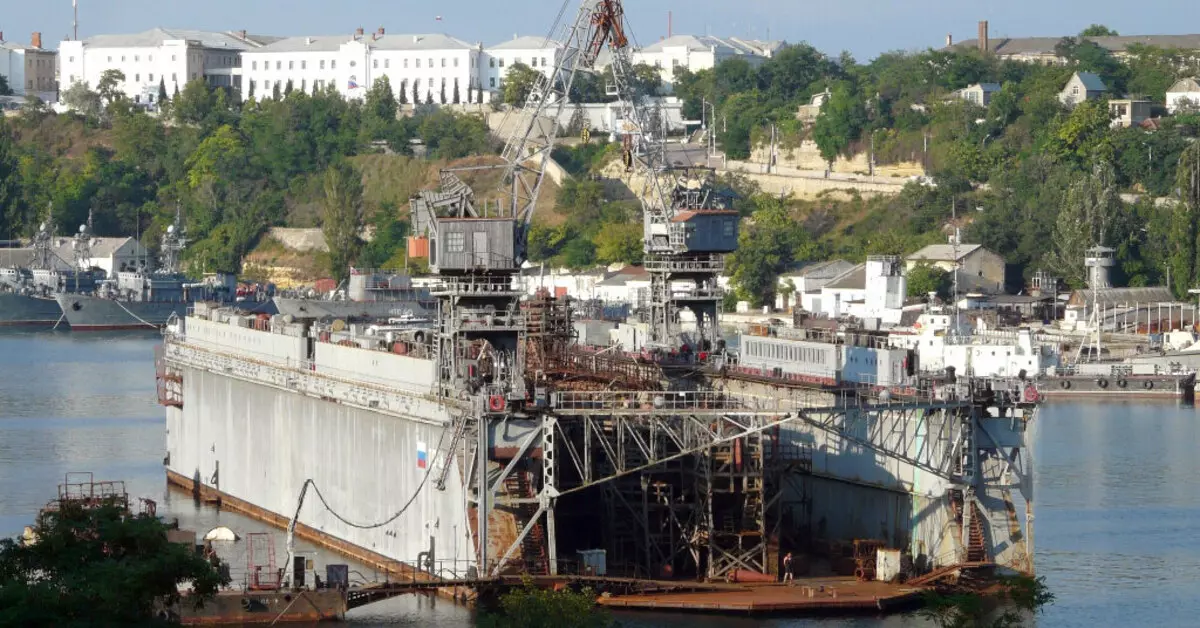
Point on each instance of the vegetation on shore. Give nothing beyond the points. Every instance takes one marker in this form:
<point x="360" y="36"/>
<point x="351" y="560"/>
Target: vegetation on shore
<point x="99" y="566"/>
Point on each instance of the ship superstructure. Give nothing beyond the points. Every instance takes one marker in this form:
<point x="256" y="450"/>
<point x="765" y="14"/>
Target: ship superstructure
<point x="491" y="442"/>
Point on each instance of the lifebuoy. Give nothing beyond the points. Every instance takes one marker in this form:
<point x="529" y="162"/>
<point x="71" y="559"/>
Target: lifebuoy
<point x="1031" y="394"/>
<point x="1122" y="383"/>
<point x="1065" y="384"/>
<point x="1102" y="383"/>
<point x="1148" y="384"/>
<point x="496" y="403"/>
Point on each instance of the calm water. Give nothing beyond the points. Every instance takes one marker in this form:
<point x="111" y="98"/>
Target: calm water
<point x="1116" y="506"/>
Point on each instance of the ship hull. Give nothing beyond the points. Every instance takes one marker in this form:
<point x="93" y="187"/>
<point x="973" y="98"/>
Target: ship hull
<point x="372" y="310"/>
<point x="18" y="310"/>
<point x="88" y="313"/>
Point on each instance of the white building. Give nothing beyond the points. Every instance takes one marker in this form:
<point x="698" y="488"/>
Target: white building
<point x="871" y="291"/>
<point x="808" y="279"/>
<point x="538" y="53"/>
<point x="29" y="69"/>
<point x="169" y="57"/>
<point x="429" y="66"/>
<point x="1184" y="95"/>
<point x="702" y="53"/>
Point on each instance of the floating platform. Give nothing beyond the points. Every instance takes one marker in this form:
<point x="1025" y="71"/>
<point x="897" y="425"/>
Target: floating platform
<point x="265" y="607"/>
<point x="817" y="596"/>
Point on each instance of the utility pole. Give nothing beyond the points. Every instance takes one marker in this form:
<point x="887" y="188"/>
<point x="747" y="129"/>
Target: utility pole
<point x="75" y="24"/>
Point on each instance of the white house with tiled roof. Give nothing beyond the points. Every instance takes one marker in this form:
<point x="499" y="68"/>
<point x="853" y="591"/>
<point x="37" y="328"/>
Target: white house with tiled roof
<point x="29" y="69"/>
<point x="428" y="66"/>
<point x="170" y="57"/>
<point x="538" y="53"/>
<point x="1184" y="95"/>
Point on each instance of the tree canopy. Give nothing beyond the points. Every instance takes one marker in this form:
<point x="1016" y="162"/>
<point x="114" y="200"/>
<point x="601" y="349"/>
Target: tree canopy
<point x="98" y="566"/>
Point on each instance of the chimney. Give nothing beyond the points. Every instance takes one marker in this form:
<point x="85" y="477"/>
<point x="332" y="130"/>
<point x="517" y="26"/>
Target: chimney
<point x="669" y="24"/>
<point x="983" y="37"/>
<point x="949" y="40"/>
<point x="308" y="41"/>
<point x="36" y="40"/>
<point x="242" y="34"/>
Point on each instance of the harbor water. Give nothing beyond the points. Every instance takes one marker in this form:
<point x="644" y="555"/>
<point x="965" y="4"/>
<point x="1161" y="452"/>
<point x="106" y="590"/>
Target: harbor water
<point x="1116" y="507"/>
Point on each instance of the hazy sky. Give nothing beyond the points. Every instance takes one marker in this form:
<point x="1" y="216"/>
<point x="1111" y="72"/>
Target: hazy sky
<point x="865" y="27"/>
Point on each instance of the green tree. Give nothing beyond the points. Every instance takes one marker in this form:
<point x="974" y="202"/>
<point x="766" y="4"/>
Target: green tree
<point x="195" y="104"/>
<point x="840" y="122"/>
<point x="388" y="243"/>
<point x="457" y="97"/>
<point x="379" y="113"/>
<point x="402" y="93"/>
<point x="1085" y="136"/>
<point x="534" y="607"/>
<point x="5" y="89"/>
<point x="924" y="279"/>
<point x="11" y="206"/>
<point x="1090" y="207"/>
<point x="619" y="243"/>
<point x="1098" y="30"/>
<point x="98" y="567"/>
<point x="109" y="86"/>
<point x="1013" y="599"/>
<point x="342" y="217"/>
<point x="518" y="82"/>
<point x="162" y="93"/>
<point x="769" y="243"/>
<point x="451" y="135"/>
<point x="647" y="80"/>
<point x="416" y="92"/>
<point x="83" y="101"/>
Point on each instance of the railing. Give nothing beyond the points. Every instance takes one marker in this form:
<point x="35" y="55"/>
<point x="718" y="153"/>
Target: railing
<point x="712" y="402"/>
<point x="475" y="285"/>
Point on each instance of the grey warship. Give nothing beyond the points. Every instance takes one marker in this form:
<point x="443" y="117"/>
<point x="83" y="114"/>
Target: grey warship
<point x="27" y="291"/>
<point x="370" y="295"/>
<point x="140" y="299"/>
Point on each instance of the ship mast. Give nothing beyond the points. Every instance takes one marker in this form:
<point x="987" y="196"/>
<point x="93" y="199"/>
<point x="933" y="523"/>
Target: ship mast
<point x="173" y="242"/>
<point x="43" y="242"/>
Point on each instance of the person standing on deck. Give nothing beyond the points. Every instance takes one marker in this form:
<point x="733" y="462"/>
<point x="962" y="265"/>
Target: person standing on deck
<point x="787" y="569"/>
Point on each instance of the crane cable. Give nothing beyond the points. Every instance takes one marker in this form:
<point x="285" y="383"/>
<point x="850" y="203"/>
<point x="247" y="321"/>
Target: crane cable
<point x="372" y="526"/>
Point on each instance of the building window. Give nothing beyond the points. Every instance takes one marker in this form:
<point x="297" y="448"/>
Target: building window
<point x="266" y="85"/>
<point x="543" y="62"/>
<point x="333" y="64"/>
<point x="728" y="226"/>
<point x="151" y="77"/>
<point x="492" y="82"/>
<point x="172" y="57"/>
<point x="431" y="62"/>
<point x="456" y="62"/>
<point x="501" y="62"/>
<point x="406" y="63"/>
<point x="303" y="83"/>
<point x="291" y="64"/>
<point x="443" y="62"/>
<point x="150" y="98"/>
<point x="418" y="63"/>
<point x="303" y="65"/>
<point x="109" y="59"/>
<point x="455" y="242"/>
<point x="137" y="78"/>
<point x="533" y="62"/>
<point x="1074" y="90"/>
<point x="353" y="63"/>
<point x="491" y="63"/>
<point x="136" y="58"/>
<point x="150" y="58"/>
<point x="253" y="65"/>
<point x="122" y="58"/>
<point x="322" y="64"/>
<point x="375" y="63"/>
<point x="387" y="63"/>
<point x="278" y="65"/>
<point x="193" y="76"/>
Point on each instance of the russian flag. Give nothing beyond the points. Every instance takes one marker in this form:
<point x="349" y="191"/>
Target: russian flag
<point x="351" y="84"/>
<point x="422" y="456"/>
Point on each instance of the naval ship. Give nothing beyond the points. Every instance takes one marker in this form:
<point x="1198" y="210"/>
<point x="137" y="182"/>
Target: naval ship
<point x="27" y="294"/>
<point x="494" y="442"/>
<point x="142" y="298"/>
<point x="370" y="295"/>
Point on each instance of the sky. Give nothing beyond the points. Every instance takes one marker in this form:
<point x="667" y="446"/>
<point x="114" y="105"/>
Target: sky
<point x="864" y="27"/>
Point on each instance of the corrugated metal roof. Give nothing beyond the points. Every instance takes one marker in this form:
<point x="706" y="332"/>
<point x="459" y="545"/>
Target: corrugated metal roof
<point x="829" y="268"/>
<point x="943" y="252"/>
<point x="1185" y="85"/>
<point x="1046" y="45"/>
<point x="1121" y="296"/>
<point x="707" y="42"/>
<point x="330" y="43"/>
<point x="527" y="42"/>
<point x="156" y="36"/>
<point x="1091" y="82"/>
<point x="853" y="279"/>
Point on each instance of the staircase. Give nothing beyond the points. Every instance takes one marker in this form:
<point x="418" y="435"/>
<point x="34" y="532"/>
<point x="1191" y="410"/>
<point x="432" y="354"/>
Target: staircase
<point x="977" y="551"/>
<point x="533" y="546"/>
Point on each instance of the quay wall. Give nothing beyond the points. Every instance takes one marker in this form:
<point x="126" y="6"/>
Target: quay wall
<point x="259" y="444"/>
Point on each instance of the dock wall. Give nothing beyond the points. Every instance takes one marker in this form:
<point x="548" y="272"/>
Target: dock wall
<point x="259" y="444"/>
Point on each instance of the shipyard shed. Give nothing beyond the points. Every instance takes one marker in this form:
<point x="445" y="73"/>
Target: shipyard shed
<point x="706" y="231"/>
<point x="471" y="243"/>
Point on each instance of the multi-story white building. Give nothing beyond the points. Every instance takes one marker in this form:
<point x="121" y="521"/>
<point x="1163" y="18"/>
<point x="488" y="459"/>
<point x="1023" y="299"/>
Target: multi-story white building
<point x="431" y="67"/>
<point x="169" y="57"/>
<point x="538" y="53"/>
<point x="28" y="69"/>
<point x="702" y="53"/>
